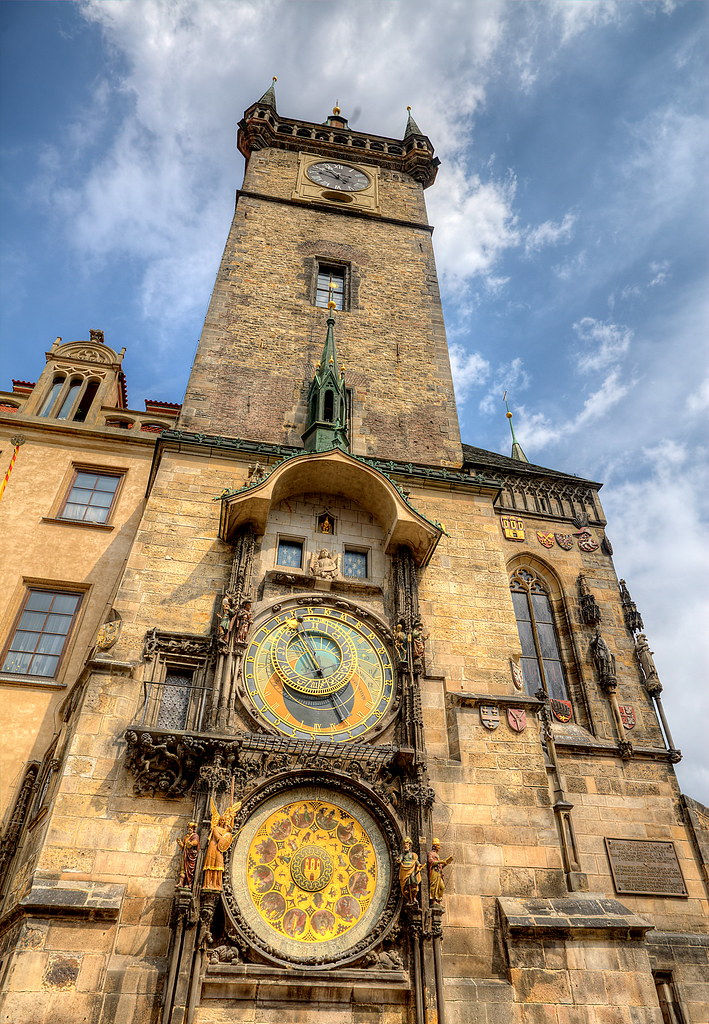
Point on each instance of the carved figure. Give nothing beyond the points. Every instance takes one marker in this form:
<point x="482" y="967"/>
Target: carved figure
<point x="418" y="641"/>
<point x="590" y="612"/>
<point x="326" y="524"/>
<point x="189" y="844"/>
<point x="401" y="646"/>
<point x="257" y="474"/>
<point x="409" y="873"/>
<point x="325" y="565"/>
<point x="220" y="839"/>
<point x="242" y="622"/>
<point x="605" y="663"/>
<point x="227" y="616"/>
<point x="651" y="680"/>
<point x="633" y="618"/>
<point x="436" y="881"/>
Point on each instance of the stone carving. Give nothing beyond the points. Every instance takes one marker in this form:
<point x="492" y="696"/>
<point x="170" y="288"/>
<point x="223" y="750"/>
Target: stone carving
<point x="235" y="621"/>
<point x="418" y="642"/>
<point x="633" y="618"/>
<point x="605" y="664"/>
<point x="108" y="633"/>
<point x="325" y="565"/>
<point x="590" y="612"/>
<point x="224" y="955"/>
<point x="436" y="865"/>
<point x="401" y="643"/>
<point x="517" y="677"/>
<point x="409" y="873"/>
<point x="220" y="839"/>
<point x="158" y="642"/>
<point x="257" y="473"/>
<point x="189" y="844"/>
<point x="244" y="622"/>
<point x="161" y="763"/>
<point x="651" y="680"/>
<point x="96" y="337"/>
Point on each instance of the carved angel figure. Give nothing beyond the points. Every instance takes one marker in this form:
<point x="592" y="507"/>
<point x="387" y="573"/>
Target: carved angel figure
<point x="325" y="564"/>
<point x="220" y="839"/>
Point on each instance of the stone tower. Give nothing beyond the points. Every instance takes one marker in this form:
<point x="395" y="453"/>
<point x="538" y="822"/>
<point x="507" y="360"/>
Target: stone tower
<point x="376" y="734"/>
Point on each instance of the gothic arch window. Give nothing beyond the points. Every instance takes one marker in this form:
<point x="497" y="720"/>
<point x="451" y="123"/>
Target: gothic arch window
<point x="542" y="664"/>
<point x="329" y="407"/>
<point x="52" y="395"/>
<point x="69" y="398"/>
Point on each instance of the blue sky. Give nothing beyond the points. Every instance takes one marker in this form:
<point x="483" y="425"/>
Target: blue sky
<point x="570" y="216"/>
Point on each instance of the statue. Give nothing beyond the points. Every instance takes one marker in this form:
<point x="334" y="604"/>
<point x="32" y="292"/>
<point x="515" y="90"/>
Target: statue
<point x="242" y="622"/>
<point x="325" y="565"/>
<point x="401" y="645"/>
<point x="409" y="873"/>
<point x="189" y="844"/>
<point x="605" y="664"/>
<point x="220" y="839"/>
<point x="226" y="617"/>
<point x="257" y="473"/>
<point x="633" y="618"/>
<point x="418" y="641"/>
<point x="590" y="612"/>
<point x="651" y="680"/>
<point x="325" y="524"/>
<point x="436" y="881"/>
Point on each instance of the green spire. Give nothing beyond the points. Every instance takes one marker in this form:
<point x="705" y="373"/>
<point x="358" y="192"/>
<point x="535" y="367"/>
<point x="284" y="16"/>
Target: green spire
<point x="269" y="97"/>
<point x="411" y="127"/>
<point x="517" y="452"/>
<point x="326" y="425"/>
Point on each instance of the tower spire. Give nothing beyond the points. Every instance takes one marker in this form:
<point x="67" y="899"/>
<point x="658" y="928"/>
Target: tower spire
<point x="269" y="97"/>
<point x="411" y="127"/>
<point x="326" y="425"/>
<point x="517" y="452"/>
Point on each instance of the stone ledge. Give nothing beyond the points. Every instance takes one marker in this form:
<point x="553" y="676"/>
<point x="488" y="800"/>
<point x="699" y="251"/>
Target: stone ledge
<point x="273" y="984"/>
<point x="586" y="914"/>
<point x="51" y="895"/>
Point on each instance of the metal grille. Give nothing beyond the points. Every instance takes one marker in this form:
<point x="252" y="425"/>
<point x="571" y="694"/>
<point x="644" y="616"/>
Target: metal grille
<point x="174" y="701"/>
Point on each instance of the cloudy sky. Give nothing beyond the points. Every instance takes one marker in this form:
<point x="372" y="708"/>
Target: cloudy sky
<point x="570" y="215"/>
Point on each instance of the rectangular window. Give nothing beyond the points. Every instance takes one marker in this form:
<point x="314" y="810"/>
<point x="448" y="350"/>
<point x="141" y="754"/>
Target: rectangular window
<point x="41" y="634"/>
<point x="355" y="564"/>
<point x="290" y="553"/>
<point x="331" y="282"/>
<point x="91" y="497"/>
<point x="175" y="700"/>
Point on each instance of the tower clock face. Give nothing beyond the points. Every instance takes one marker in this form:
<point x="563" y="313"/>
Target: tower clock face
<point x="341" y="177"/>
<point x="318" y="671"/>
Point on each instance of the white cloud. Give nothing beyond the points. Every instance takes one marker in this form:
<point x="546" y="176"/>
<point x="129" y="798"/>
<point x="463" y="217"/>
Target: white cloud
<point x="603" y="343"/>
<point x="468" y="369"/>
<point x="508" y="377"/>
<point x="548" y="233"/>
<point x="659" y="270"/>
<point x="698" y="401"/>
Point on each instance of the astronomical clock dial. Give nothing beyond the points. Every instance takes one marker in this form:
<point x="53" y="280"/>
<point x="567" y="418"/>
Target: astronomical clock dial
<point x="341" y="177"/>
<point x="318" y="671"/>
<point x="310" y="874"/>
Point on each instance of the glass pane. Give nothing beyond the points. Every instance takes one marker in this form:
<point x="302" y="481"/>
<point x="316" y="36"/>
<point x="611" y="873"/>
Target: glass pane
<point x="555" y="679"/>
<point x="58" y="624"/>
<point x="88" y="480"/>
<point x="530" y="674"/>
<point x="527" y="639"/>
<point x="81" y="495"/>
<point x="547" y="640"/>
<point x="521" y="606"/>
<point x="51" y="397"/>
<point x="33" y="620"/>
<point x="103" y="498"/>
<point x="39" y="600"/>
<point x="15" y="662"/>
<point x="43" y="665"/>
<point x="49" y="643"/>
<point x="95" y="515"/>
<point x="290" y="553"/>
<point x="23" y="641"/>
<point x="73" y="511"/>
<point x="542" y="608"/>
<point x="107" y="483"/>
<point x="68" y="401"/>
<point x="355" y="564"/>
<point x="65" y="603"/>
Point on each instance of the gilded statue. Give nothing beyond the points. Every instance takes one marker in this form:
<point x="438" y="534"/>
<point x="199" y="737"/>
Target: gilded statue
<point x="220" y="839"/>
<point x="436" y="880"/>
<point x="409" y="873"/>
<point x="189" y="844"/>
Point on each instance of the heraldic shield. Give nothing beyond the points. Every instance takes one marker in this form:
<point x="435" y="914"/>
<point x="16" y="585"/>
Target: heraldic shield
<point x="309" y="879"/>
<point x="627" y="715"/>
<point x="561" y="709"/>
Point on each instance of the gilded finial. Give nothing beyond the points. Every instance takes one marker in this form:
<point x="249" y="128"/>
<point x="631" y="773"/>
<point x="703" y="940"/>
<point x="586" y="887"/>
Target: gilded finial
<point x="275" y="78"/>
<point x="336" y="109"/>
<point x="409" y="109"/>
<point x="517" y="452"/>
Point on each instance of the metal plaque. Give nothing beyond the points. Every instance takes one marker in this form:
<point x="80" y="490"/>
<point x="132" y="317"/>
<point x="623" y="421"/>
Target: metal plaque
<point x="645" y="867"/>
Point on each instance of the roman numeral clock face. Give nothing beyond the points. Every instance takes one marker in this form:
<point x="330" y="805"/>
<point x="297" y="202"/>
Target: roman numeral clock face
<point x="341" y="177"/>
<point x="318" y="671"/>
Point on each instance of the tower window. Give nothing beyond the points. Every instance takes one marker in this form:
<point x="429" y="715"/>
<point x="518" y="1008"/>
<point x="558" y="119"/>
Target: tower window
<point x="290" y="553"/>
<point x="69" y="398"/>
<point x="52" y="396"/>
<point x="175" y="700"/>
<point x="86" y="400"/>
<point x="41" y="634"/>
<point x="328" y="407"/>
<point x="354" y="564"/>
<point x="541" y="658"/>
<point x="91" y="497"/>
<point x="331" y="281"/>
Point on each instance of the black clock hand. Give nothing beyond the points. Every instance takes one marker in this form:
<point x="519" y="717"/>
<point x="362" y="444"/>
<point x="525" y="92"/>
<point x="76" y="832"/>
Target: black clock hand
<point x="307" y="646"/>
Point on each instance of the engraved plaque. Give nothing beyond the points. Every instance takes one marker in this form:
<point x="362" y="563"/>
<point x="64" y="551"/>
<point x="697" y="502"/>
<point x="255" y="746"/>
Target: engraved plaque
<point x="645" y="867"/>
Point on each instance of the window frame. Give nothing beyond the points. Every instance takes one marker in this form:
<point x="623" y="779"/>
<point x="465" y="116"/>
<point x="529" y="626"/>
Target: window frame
<point x="547" y="590"/>
<point x="288" y="539"/>
<point x="325" y="266"/>
<point x="56" y="589"/>
<point x="357" y="550"/>
<point x="105" y="471"/>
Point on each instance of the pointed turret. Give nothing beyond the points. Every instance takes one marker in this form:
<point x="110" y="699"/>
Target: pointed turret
<point x="327" y="399"/>
<point x="411" y="127"/>
<point x="517" y="452"/>
<point x="269" y="97"/>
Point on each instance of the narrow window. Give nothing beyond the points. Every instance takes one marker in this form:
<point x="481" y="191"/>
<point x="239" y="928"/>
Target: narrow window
<point x="667" y="998"/>
<point x="52" y="396"/>
<point x="69" y="399"/>
<point x="329" y="407"/>
<point x="541" y="658"/>
<point x="331" y="282"/>
<point x="86" y="400"/>
<point x="40" y="637"/>
<point x="91" y="497"/>
<point x="354" y="564"/>
<point x="290" y="552"/>
<point x="175" y="700"/>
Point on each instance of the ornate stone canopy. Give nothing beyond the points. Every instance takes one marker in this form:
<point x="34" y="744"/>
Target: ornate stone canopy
<point x="334" y="472"/>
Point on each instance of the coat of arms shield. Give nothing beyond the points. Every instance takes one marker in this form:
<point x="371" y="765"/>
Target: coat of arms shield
<point x="627" y="715"/>
<point x="545" y="539"/>
<point x="489" y="716"/>
<point x="561" y="709"/>
<point x="565" y="541"/>
<point x="517" y="719"/>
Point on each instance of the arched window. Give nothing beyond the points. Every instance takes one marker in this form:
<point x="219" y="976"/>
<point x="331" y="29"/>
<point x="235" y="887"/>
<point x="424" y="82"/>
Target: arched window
<point x="541" y="657"/>
<point x="52" y="396"/>
<point x="86" y="400"/>
<point x="329" y="407"/>
<point x="69" y="398"/>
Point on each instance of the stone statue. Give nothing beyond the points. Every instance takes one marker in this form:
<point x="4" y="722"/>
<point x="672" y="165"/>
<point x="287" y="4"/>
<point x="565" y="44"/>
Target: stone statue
<point x="401" y="645"/>
<point x="257" y="473"/>
<point x="590" y="612"/>
<point x="189" y="844"/>
<point x="436" y="881"/>
<point x="605" y="664"/>
<point x="651" y="680"/>
<point x="220" y="839"/>
<point x="242" y="622"/>
<point x="418" y="641"/>
<point x="409" y="873"/>
<point x="325" y="565"/>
